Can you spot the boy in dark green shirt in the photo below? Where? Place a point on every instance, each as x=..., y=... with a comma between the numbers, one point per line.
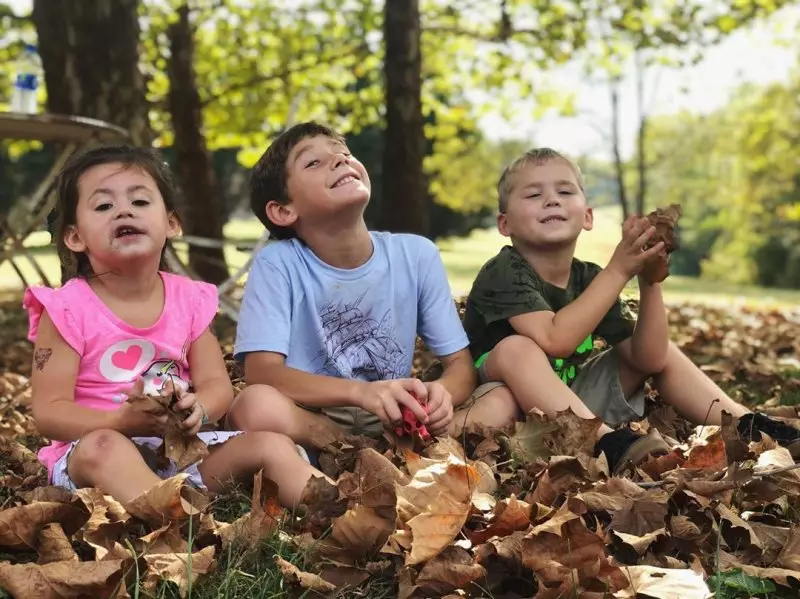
x=535, y=310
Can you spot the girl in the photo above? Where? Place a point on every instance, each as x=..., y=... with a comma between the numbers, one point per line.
x=120, y=325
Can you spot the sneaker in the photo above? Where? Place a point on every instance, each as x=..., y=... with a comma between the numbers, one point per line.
x=625, y=448
x=752, y=425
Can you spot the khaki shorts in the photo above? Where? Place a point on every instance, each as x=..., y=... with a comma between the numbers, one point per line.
x=356, y=421
x=599, y=388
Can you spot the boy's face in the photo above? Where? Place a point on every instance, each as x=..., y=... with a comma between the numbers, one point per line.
x=323, y=180
x=546, y=206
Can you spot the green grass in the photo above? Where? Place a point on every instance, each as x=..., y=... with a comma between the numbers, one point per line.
x=463, y=257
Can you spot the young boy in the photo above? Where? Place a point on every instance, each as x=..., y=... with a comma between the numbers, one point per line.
x=331, y=311
x=534, y=311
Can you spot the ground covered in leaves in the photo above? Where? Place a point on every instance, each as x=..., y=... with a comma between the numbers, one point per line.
x=520, y=513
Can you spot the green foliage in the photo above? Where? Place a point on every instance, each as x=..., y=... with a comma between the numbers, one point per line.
x=736, y=174
x=735, y=584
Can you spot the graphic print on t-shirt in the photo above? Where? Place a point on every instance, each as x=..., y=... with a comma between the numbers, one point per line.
x=124, y=360
x=357, y=344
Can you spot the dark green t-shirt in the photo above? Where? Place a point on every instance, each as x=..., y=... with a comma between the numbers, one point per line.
x=508, y=286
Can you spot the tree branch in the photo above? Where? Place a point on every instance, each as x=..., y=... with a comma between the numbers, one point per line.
x=276, y=75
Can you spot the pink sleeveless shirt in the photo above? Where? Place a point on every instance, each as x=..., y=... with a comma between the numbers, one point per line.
x=114, y=354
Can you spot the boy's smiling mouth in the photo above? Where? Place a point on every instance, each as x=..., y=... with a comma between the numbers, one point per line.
x=553, y=218
x=345, y=180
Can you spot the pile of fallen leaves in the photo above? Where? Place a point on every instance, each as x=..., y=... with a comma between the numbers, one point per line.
x=520, y=513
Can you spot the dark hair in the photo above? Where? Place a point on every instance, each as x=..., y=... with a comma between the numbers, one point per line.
x=538, y=157
x=269, y=177
x=77, y=264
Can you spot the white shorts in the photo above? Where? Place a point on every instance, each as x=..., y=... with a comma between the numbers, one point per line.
x=60, y=476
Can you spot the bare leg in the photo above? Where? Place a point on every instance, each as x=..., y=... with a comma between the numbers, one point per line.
x=262, y=408
x=108, y=460
x=496, y=409
x=241, y=457
x=524, y=367
x=686, y=388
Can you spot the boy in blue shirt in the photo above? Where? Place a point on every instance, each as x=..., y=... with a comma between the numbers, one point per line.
x=331, y=310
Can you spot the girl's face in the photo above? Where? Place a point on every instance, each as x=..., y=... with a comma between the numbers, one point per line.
x=121, y=219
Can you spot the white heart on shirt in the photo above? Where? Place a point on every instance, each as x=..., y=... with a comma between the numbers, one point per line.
x=124, y=360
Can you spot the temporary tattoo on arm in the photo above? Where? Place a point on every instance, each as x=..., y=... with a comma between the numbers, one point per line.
x=41, y=357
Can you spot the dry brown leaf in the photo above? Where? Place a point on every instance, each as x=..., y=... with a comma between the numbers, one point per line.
x=574, y=547
x=640, y=518
x=773, y=539
x=435, y=529
x=629, y=548
x=182, y=449
x=54, y=546
x=175, y=567
x=19, y=458
x=377, y=477
x=63, y=580
x=260, y=522
x=708, y=457
x=434, y=505
x=360, y=533
x=343, y=576
x=171, y=499
x=510, y=515
x=321, y=502
x=789, y=556
x=683, y=527
x=167, y=539
x=106, y=523
x=20, y=526
x=737, y=533
x=664, y=220
x=452, y=569
x=178, y=447
x=661, y=583
x=292, y=574
x=736, y=448
x=528, y=441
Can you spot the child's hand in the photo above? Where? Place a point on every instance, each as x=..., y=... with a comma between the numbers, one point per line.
x=384, y=398
x=136, y=423
x=188, y=402
x=630, y=256
x=656, y=270
x=440, y=409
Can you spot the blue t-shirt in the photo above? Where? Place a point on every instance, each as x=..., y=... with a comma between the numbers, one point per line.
x=356, y=323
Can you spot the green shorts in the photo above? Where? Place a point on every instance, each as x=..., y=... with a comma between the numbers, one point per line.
x=598, y=387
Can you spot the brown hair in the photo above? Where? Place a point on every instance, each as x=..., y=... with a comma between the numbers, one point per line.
x=269, y=177
x=536, y=156
x=77, y=264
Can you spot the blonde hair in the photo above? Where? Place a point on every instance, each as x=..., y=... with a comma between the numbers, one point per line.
x=538, y=157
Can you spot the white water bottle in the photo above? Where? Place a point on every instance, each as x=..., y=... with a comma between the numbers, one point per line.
x=26, y=81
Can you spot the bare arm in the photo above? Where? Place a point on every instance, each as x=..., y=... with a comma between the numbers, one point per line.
x=560, y=333
x=650, y=340
x=210, y=379
x=312, y=390
x=55, y=371
x=459, y=376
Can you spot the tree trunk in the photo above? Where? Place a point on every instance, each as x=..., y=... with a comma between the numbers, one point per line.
x=404, y=203
x=619, y=166
x=641, y=163
x=201, y=209
x=90, y=55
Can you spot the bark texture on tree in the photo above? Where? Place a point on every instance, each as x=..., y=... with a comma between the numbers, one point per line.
x=201, y=209
x=405, y=200
x=619, y=165
x=90, y=55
